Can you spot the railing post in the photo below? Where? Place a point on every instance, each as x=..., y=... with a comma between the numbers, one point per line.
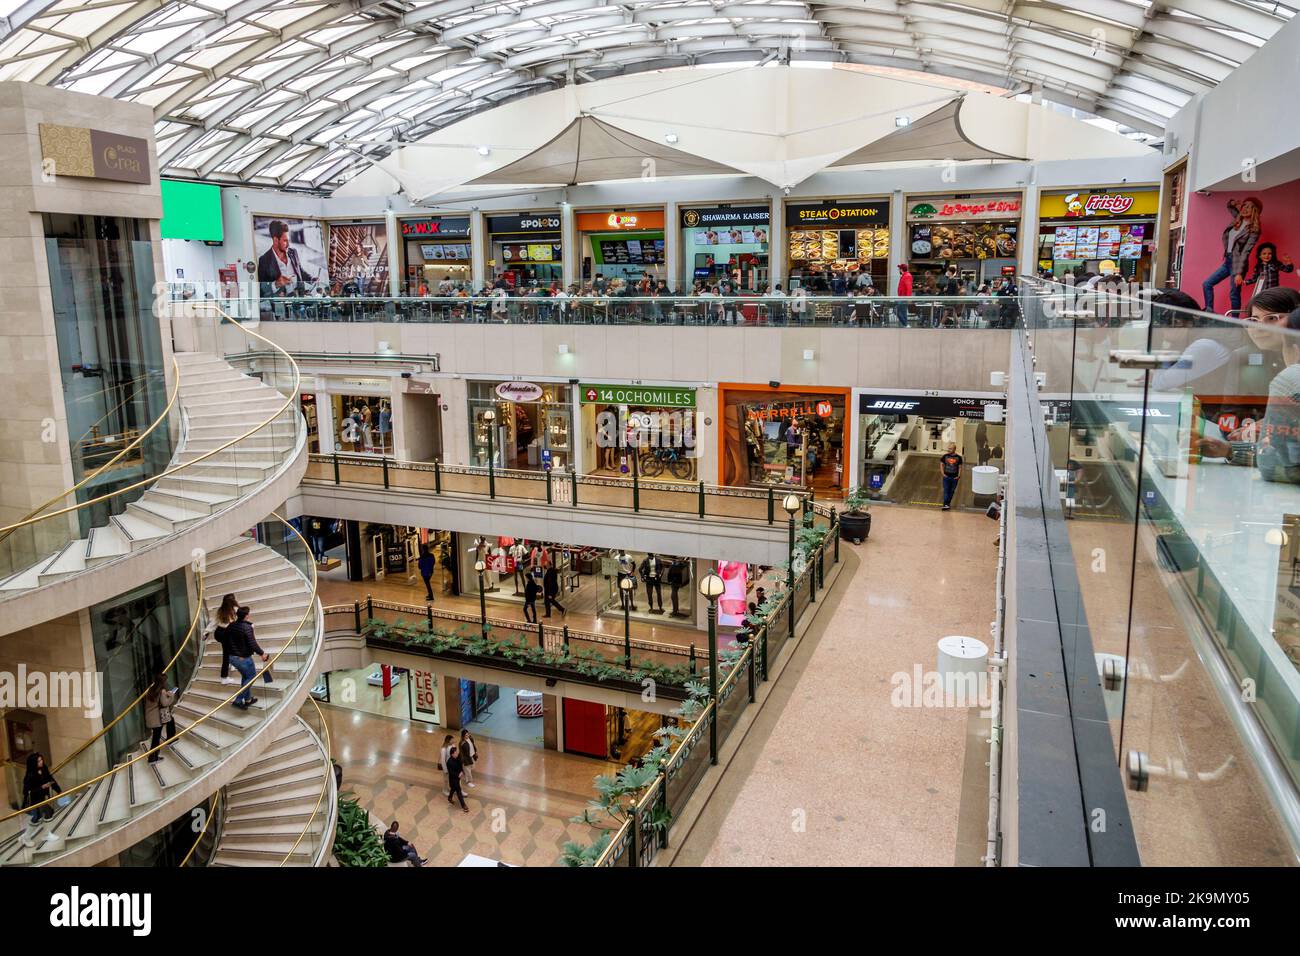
x=428, y=616
x=549, y=499
x=356, y=614
x=663, y=799
x=541, y=636
x=384, y=462
x=336, y=467
x=370, y=608
x=701, y=499
x=692, y=659
x=771, y=505
x=566, y=640
x=573, y=478
x=636, y=481
x=790, y=612
x=763, y=649
x=437, y=476
x=635, y=848
x=753, y=662
x=835, y=533
x=812, y=584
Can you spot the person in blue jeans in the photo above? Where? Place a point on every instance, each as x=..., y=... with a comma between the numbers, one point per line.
x=950, y=469
x=1239, y=238
x=243, y=645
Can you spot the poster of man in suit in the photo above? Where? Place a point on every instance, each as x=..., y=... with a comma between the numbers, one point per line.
x=290, y=256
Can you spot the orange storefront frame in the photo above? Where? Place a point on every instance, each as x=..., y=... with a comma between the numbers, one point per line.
x=730, y=388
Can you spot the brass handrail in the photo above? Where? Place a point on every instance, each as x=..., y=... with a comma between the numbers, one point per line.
x=212, y=812
x=32, y=516
x=323, y=790
x=293, y=394
x=189, y=634
x=311, y=605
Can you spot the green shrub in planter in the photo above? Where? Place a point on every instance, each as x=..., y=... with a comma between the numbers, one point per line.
x=356, y=840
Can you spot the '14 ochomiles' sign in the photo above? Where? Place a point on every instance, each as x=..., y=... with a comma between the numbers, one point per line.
x=652, y=395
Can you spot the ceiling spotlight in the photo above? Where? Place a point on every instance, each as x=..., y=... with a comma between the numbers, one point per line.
x=902, y=120
x=809, y=355
x=485, y=150
x=562, y=348
x=670, y=138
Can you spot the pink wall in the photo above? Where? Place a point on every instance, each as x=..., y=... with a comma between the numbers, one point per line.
x=1208, y=215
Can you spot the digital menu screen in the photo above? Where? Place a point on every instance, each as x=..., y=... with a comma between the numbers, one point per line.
x=1108, y=241
x=1086, y=245
x=1130, y=246
x=1064, y=243
x=632, y=251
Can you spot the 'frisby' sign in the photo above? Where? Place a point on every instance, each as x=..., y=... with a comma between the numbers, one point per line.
x=660, y=396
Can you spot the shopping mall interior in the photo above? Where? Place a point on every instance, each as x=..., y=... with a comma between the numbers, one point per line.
x=757, y=434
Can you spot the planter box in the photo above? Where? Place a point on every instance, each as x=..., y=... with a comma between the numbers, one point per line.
x=855, y=527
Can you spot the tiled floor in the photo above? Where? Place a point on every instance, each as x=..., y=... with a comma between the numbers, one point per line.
x=833, y=773
x=519, y=810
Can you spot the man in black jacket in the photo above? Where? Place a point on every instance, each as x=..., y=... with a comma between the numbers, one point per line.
x=278, y=270
x=400, y=849
x=243, y=645
x=455, y=769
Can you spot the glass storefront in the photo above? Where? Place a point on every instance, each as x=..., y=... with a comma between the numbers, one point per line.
x=533, y=425
x=625, y=244
x=307, y=403
x=110, y=351
x=436, y=252
x=726, y=242
x=789, y=436
x=526, y=249
x=979, y=234
x=363, y=424
x=845, y=237
x=1082, y=232
x=654, y=422
x=900, y=439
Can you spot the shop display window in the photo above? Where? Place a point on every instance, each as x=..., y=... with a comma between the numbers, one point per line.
x=526, y=435
x=363, y=424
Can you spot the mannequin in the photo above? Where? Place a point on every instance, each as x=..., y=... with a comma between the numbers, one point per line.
x=652, y=572
x=679, y=576
x=626, y=569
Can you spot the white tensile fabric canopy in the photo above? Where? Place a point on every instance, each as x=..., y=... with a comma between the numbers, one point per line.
x=778, y=124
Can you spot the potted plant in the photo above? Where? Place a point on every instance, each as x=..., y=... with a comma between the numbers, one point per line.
x=855, y=521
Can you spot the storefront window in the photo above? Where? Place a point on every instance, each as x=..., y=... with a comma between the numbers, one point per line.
x=363, y=424
x=532, y=429
x=624, y=245
x=526, y=249
x=307, y=402
x=846, y=237
x=726, y=243
x=977, y=234
x=784, y=436
x=1085, y=233
x=437, y=254
x=902, y=437
x=656, y=423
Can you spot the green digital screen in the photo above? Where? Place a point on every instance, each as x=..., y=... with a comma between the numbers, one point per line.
x=191, y=211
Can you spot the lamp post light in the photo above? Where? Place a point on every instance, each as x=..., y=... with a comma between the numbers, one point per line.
x=625, y=585
x=480, y=567
x=792, y=506
x=712, y=587
x=491, y=417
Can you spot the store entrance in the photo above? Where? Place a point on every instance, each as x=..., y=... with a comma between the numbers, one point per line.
x=785, y=437
x=900, y=456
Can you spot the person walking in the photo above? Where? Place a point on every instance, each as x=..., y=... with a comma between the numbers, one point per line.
x=551, y=591
x=468, y=756
x=950, y=470
x=159, y=700
x=426, y=564
x=225, y=618
x=904, y=291
x=38, y=786
x=447, y=743
x=454, y=772
x=399, y=849
x=243, y=645
x=531, y=590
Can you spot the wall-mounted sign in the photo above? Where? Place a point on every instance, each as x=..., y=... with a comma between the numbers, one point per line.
x=435, y=226
x=95, y=154
x=655, y=395
x=1083, y=204
x=519, y=391
x=366, y=386
x=425, y=685
x=972, y=207
x=533, y=222
x=726, y=216
x=846, y=212
x=617, y=221
x=928, y=406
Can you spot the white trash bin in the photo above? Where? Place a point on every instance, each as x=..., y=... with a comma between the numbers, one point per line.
x=984, y=480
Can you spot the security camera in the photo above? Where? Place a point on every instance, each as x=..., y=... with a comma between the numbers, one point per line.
x=774, y=384
x=406, y=375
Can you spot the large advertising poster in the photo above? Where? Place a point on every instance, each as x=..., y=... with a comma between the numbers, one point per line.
x=290, y=256
x=731, y=606
x=358, y=258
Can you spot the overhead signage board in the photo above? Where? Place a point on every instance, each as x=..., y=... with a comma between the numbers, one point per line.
x=662, y=396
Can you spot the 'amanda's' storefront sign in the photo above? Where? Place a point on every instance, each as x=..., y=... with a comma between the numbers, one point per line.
x=660, y=396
